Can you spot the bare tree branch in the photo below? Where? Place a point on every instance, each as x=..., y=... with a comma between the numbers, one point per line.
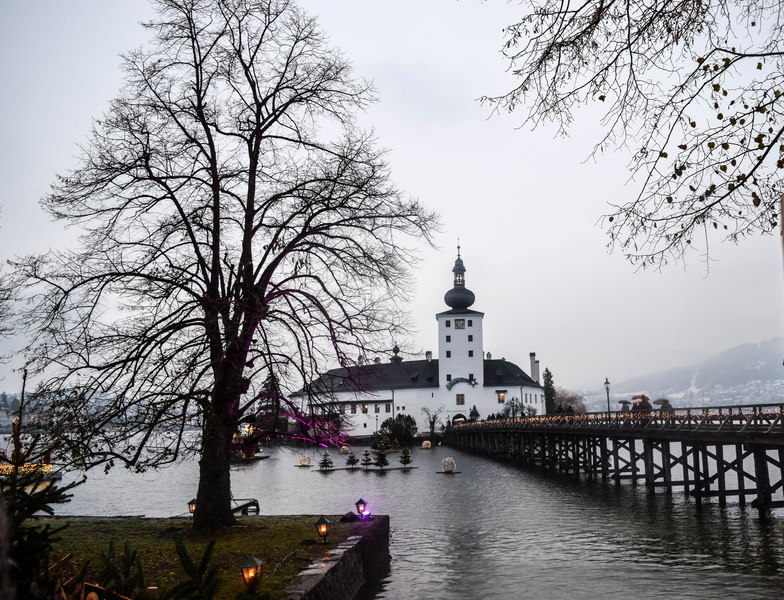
x=694, y=87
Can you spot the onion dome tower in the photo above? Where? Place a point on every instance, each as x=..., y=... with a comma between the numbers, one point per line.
x=459, y=297
x=460, y=352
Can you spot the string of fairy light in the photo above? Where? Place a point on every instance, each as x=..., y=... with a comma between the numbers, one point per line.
x=759, y=416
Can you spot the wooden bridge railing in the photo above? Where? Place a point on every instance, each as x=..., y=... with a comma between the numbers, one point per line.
x=760, y=420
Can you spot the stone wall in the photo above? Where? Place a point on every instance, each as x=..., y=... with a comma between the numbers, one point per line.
x=343, y=571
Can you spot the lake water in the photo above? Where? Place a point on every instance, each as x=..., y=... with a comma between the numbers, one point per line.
x=496, y=530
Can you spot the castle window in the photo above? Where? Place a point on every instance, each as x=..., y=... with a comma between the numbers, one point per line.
x=353, y=409
x=378, y=408
x=470, y=323
x=449, y=354
x=470, y=377
x=342, y=409
x=449, y=338
x=460, y=399
x=448, y=377
x=448, y=323
x=470, y=338
x=470, y=353
x=501, y=396
x=389, y=407
x=459, y=323
x=364, y=408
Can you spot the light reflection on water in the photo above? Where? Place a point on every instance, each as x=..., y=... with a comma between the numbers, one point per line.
x=495, y=530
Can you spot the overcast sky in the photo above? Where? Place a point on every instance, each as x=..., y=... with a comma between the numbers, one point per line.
x=524, y=204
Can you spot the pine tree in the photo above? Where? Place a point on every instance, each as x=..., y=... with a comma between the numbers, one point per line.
x=351, y=460
x=326, y=462
x=381, y=460
x=366, y=460
x=405, y=457
x=549, y=392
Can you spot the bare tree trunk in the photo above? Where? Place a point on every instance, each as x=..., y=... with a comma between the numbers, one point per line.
x=213, y=500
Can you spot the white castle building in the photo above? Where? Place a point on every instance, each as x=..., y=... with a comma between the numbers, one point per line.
x=461, y=378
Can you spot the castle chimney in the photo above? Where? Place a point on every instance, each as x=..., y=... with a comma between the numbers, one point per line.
x=532, y=356
x=537, y=371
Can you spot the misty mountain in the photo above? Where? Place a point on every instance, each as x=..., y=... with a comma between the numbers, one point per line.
x=747, y=373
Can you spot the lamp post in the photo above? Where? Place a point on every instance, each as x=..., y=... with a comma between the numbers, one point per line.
x=607, y=389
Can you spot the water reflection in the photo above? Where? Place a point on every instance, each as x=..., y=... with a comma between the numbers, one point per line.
x=497, y=530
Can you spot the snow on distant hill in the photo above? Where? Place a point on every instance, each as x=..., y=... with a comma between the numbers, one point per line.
x=747, y=374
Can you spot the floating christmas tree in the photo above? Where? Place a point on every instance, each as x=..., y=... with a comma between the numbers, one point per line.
x=381, y=460
x=325, y=464
x=405, y=457
x=366, y=459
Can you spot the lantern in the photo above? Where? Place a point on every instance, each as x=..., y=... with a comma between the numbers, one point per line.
x=361, y=506
x=322, y=527
x=192, y=506
x=251, y=570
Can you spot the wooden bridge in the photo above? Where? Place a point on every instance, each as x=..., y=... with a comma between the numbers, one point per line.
x=723, y=452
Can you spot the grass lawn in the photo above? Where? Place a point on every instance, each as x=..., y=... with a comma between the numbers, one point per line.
x=277, y=540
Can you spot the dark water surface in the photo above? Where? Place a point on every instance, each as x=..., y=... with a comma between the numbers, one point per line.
x=496, y=530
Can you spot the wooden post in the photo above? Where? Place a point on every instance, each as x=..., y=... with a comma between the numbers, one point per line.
x=666, y=471
x=720, y=473
x=695, y=458
x=649, y=463
x=741, y=474
x=605, y=458
x=763, y=479
x=616, y=462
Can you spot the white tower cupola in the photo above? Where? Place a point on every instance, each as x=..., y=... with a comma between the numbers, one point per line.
x=460, y=351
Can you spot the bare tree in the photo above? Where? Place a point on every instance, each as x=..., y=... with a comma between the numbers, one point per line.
x=239, y=230
x=693, y=87
x=566, y=400
x=433, y=417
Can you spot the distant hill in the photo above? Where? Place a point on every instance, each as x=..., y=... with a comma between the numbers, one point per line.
x=750, y=373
